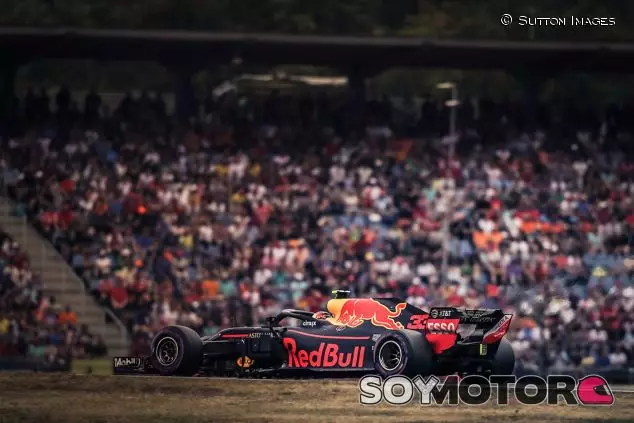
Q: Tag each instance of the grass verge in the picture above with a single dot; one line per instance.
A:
(101, 367)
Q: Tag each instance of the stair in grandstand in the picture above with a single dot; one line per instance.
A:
(59, 280)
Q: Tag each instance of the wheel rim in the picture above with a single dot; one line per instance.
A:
(167, 351)
(390, 355)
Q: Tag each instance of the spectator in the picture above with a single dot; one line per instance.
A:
(67, 317)
(31, 325)
(250, 210)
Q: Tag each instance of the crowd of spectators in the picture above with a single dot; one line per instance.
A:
(32, 326)
(262, 203)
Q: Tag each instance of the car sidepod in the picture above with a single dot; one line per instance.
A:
(328, 349)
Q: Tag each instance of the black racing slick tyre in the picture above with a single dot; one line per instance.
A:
(176, 351)
(503, 362)
(403, 352)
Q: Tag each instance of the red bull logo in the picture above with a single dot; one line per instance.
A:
(326, 355)
(354, 312)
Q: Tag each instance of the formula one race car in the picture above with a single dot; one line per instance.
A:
(384, 336)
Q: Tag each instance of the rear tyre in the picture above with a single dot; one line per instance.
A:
(403, 352)
(176, 351)
(503, 362)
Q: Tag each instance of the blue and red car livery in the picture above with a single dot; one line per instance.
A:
(354, 335)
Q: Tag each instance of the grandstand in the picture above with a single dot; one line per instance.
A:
(267, 203)
(37, 331)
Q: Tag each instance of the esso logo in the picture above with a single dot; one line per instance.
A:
(441, 327)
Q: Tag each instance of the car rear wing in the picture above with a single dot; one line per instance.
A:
(497, 332)
(486, 326)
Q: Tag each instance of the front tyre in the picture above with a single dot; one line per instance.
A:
(176, 350)
(503, 362)
(402, 352)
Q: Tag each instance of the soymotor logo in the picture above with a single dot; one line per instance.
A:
(478, 390)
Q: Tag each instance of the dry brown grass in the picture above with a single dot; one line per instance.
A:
(27, 398)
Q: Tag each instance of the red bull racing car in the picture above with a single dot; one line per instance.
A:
(354, 335)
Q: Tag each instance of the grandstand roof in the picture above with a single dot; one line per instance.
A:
(373, 54)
